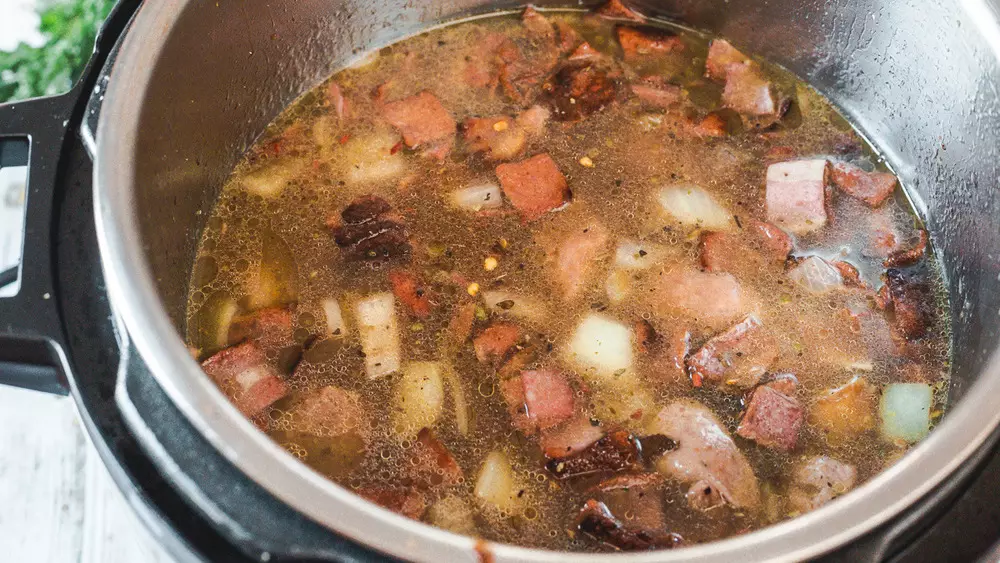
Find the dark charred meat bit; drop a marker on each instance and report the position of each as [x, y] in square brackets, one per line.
[872, 188]
[772, 418]
[617, 451]
[616, 10]
[651, 42]
[577, 91]
[911, 303]
[369, 232]
[645, 335]
[737, 357]
[909, 256]
[245, 376]
[534, 186]
[850, 274]
[597, 521]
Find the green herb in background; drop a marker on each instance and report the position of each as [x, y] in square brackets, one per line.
[69, 28]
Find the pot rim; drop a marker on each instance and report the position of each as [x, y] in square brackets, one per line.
[135, 300]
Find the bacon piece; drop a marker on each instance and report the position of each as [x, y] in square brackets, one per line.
[751, 95]
[537, 24]
[336, 100]
[534, 186]
[638, 44]
[818, 480]
[568, 37]
[422, 121]
[909, 256]
[492, 344]
[538, 400]
[330, 411]
[498, 138]
[844, 413]
[269, 328]
[407, 501]
[408, 289]
[574, 258]
[705, 452]
[711, 298]
[617, 451]
[584, 52]
[461, 323]
[721, 54]
[434, 465]
[579, 90]
[534, 119]
[772, 418]
[712, 125]
[776, 241]
[657, 94]
[739, 356]
[796, 195]
[614, 9]
[570, 438]
[872, 188]
[747, 252]
[244, 375]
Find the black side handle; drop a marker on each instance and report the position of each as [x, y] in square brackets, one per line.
[34, 133]
[31, 331]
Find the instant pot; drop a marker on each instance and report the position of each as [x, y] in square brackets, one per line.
[124, 168]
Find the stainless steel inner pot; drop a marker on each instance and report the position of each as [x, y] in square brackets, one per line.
[197, 81]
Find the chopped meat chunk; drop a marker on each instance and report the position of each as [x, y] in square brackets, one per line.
[712, 125]
[482, 65]
[411, 292]
[270, 328]
[568, 37]
[584, 52]
[751, 95]
[498, 138]
[616, 10]
[571, 438]
[460, 326]
[245, 376]
[538, 399]
[849, 274]
[493, 344]
[534, 119]
[818, 480]
[705, 453]
[368, 232]
[796, 195]
[772, 418]
[336, 101]
[637, 44]
[422, 121]
[703, 496]
[534, 186]
[712, 298]
[844, 413]
[574, 258]
[598, 522]
[908, 256]
[872, 188]
[757, 248]
[578, 90]
[537, 24]
[721, 54]
[433, 465]
[657, 94]
[407, 501]
[739, 356]
[330, 411]
[776, 241]
[617, 451]
[911, 302]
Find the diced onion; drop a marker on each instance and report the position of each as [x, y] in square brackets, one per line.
[495, 484]
[458, 400]
[617, 286]
[602, 347]
[371, 158]
[905, 410]
[376, 318]
[335, 325]
[270, 180]
[453, 513]
[693, 206]
[475, 198]
[227, 310]
[632, 255]
[816, 275]
[419, 398]
[527, 308]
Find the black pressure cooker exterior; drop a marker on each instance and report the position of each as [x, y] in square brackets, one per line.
[60, 335]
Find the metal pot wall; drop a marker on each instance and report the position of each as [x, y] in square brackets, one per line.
[195, 82]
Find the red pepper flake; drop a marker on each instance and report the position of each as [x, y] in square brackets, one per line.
[315, 163]
[344, 138]
[637, 415]
[276, 147]
[395, 148]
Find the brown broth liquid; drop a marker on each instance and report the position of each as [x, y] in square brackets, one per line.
[262, 251]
